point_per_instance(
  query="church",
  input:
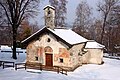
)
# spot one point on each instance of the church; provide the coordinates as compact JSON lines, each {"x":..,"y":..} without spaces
{"x":61,"y":47}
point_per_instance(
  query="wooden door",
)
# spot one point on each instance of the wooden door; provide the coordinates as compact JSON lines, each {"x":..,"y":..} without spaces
{"x":49,"y":60}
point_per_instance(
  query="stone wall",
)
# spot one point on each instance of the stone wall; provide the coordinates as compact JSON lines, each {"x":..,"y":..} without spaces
{"x":62,"y":55}
{"x":36,"y":49}
{"x":49,"y":17}
{"x":93,"y":56}
{"x":76,"y":55}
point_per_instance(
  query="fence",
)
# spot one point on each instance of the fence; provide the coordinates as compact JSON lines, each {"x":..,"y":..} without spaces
{"x":18,"y":66}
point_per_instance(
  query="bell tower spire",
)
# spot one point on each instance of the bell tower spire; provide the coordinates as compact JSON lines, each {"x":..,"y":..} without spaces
{"x":49,"y":15}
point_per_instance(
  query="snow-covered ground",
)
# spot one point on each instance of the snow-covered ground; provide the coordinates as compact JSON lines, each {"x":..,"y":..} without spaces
{"x":110,"y":70}
{"x":7,"y":56}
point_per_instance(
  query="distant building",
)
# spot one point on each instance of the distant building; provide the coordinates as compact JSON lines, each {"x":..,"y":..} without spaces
{"x":62,"y":47}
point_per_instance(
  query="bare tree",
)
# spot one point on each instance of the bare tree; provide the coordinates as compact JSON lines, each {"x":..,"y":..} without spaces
{"x":83,"y":16}
{"x":60,"y":11}
{"x":5,"y":35}
{"x":97,"y":29}
{"x":114,"y":17}
{"x":110,"y":19}
{"x":105,"y":7}
{"x":34,"y":27}
{"x":114,"y":29}
{"x":24,"y":31}
{"x":115,"y":39}
{"x":5,"y":32}
{"x":2,"y":16}
{"x":16,"y":11}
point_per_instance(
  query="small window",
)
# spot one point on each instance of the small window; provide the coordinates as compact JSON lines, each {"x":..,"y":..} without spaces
{"x":49,"y":12}
{"x":48,"y":40}
{"x":79,"y":54}
{"x":61,"y":60}
{"x":71,"y":54}
{"x":36,"y":58}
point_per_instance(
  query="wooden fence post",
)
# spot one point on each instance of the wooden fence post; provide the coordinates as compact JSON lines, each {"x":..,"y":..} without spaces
{"x":15,"y":67}
{"x":58,"y":70}
{"x":13,"y":64}
{"x":3,"y":65}
{"x":25,"y":65}
{"x":40,"y":66}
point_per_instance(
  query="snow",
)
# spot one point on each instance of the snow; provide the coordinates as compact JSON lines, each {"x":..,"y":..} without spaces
{"x":5,"y":48}
{"x":69,"y":36}
{"x":66,"y":34}
{"x":33,"y":71}
{"x":110,"y":70}
{"x":93,"y":44}
{"x":48,"y":6}
{"x":7,"y":56}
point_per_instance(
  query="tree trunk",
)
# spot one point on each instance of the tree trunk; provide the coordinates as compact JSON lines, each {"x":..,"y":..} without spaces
{"x":102,"y":34}
{"x":103,"y":28}
{"x":14,"y":42}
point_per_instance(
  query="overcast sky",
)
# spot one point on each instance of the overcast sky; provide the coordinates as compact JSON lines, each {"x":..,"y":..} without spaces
{"x":71,"y":9}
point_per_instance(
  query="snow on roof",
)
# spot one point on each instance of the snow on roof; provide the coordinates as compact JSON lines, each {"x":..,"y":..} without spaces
{"x":49,"y":6}
{"x":93,"y":44}
{"x":69,"y":36}
{"x":32,"y":35}
{"x":66,"y":34}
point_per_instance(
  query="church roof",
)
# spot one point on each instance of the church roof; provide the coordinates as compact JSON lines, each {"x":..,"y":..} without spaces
{"x":48,"y":6}
{"x":67,"y":35}
{"x":93,"y":44}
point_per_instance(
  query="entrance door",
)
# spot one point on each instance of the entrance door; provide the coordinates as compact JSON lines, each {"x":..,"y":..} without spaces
{"x":49,"y":60}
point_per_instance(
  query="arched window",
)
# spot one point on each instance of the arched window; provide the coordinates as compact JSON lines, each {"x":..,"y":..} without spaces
{"x":48,"y":49}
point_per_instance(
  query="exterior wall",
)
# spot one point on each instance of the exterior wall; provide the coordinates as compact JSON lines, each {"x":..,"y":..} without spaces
{"x":36,"y":49}
{"x":93,"y":56}
{"x":76,"y":55}
{"x":85,"y":58}
{"x":31,"y":50}
{"x":70,"y":57}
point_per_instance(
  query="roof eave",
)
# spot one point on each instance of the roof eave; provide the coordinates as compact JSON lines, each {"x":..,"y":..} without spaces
{"x":29,"y":38}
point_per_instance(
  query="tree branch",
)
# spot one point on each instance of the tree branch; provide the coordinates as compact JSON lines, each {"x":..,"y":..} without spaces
{"x":6,"y":13}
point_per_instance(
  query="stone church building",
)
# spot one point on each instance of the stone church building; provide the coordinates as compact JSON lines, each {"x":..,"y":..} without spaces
{"x":62,"y":47}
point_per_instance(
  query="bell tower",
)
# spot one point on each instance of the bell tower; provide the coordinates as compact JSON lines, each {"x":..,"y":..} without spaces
{"x":49,"y":15}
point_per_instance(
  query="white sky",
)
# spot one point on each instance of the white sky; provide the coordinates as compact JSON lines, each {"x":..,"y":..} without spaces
{"x":71,"y":9}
